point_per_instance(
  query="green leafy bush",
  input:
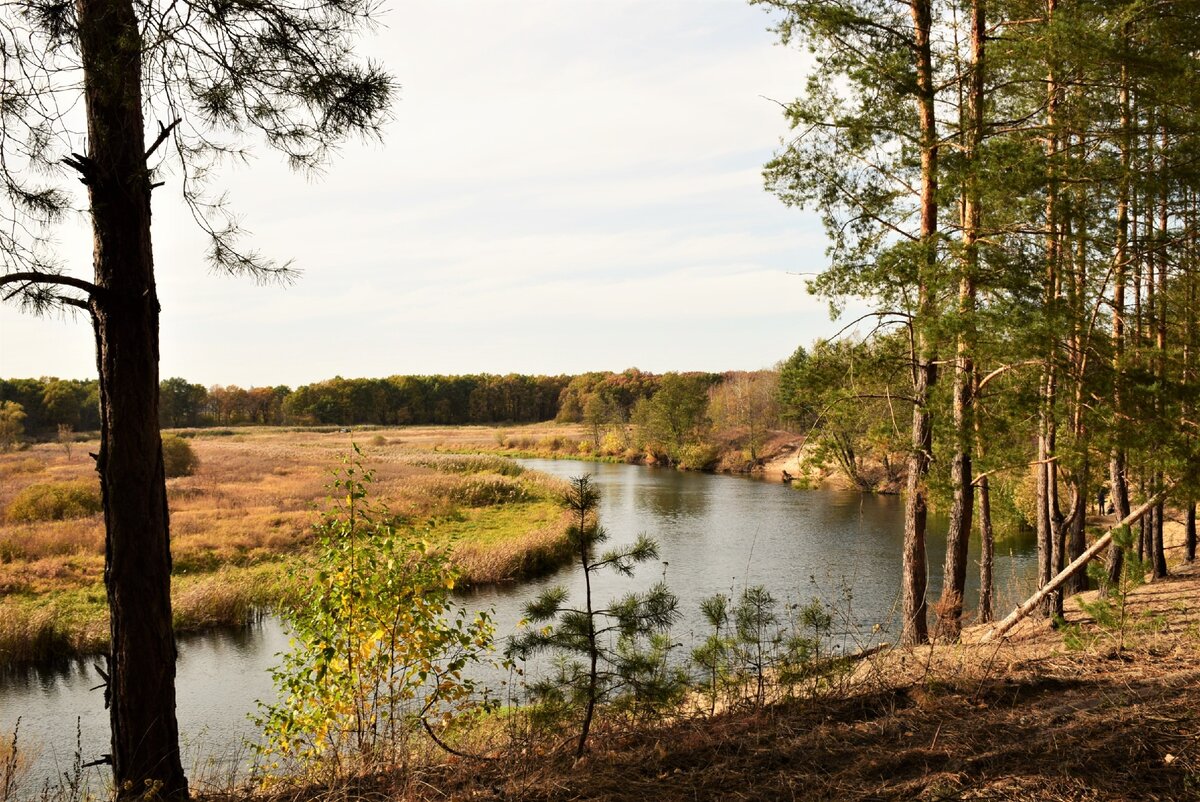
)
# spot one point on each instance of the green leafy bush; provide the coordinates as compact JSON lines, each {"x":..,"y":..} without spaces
{"x":378,"y":646}
{"x":55,"y":501}
{"x":179,"y":459}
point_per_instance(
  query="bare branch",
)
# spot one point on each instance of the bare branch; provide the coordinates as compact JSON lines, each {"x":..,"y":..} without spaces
{"x":164,"y":131}
{"x":33,"y":277}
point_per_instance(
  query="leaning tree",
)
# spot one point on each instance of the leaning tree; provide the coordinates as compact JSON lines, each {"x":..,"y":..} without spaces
{"x":78,"y":81}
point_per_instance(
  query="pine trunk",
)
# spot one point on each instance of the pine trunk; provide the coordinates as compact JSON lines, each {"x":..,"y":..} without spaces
{"x":137,"y":574}
{"x":987,"y":548}
{"x":954,"y":582}
{"x":1049,"y":555}
{"x":915,"y":569}
{"x":1117,"y":462}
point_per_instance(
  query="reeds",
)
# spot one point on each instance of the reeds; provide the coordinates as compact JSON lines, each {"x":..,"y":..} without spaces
{"x":244,"y":516}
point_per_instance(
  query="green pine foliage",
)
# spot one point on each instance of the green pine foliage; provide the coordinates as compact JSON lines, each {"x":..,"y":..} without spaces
{"x":753,"y":647}
{"x":1113,"y":622}
{"x":615,"y":653}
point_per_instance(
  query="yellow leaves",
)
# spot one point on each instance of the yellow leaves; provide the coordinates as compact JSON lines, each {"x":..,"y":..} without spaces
{"x":377,"y":640}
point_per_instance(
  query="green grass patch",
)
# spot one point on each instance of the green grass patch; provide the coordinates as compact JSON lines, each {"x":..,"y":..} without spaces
{"x":495,"y":525}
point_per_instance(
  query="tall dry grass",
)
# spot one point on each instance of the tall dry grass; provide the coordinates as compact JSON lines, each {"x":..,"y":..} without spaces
{"x":246,"y":512}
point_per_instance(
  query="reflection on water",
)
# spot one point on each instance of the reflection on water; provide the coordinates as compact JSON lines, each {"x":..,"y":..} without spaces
{"x":715,"y":533}
{"x":669,"y":497}
{"x":220,"y":677}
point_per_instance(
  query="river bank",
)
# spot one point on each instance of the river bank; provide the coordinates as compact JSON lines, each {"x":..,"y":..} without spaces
{"x":779,"y":456}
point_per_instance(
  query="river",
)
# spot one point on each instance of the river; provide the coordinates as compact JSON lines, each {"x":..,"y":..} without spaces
{"x":715,"y":534}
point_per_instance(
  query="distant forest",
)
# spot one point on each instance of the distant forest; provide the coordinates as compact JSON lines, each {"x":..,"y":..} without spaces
{"x":396,"y":400}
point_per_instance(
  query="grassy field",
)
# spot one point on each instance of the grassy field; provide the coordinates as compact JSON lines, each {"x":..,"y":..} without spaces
{"x":247,"y":513}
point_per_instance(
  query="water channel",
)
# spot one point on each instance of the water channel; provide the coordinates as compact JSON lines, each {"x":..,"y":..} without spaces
{"x":715,"y":534}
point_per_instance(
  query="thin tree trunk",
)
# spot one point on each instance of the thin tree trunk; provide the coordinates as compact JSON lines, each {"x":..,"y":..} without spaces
{"x":1049,"y":554}
{"x":1160,"y":344}
{"x":987,"y":550}
{"x":137,"y":572}
{"x":593,"y":649}
{"x":954,"y":582}
{"x":915,"y":570}
{"x":1190,"y":533}
{"x":1144,"y":525}
{"x":1079,"y":479}
{"x":987,"y":541}
{"x":1159,"y":551}
{"x":1117,"y":460}
{"x":1189,"y":369}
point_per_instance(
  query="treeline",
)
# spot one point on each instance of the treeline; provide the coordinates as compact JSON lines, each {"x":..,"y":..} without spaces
{"x":45,"y":404}
{"x":396,"y":400}
{"x":671,"y":412}
{"x":1016,"y":185}
{"x":686,"y":419}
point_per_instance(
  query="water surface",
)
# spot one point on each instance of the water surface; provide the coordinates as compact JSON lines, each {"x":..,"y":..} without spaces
{"x":715,"y":534}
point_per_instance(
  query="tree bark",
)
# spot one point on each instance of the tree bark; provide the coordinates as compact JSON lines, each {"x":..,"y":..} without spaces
{"x":1190,"y":533}
{"x":954,"y":581}
{"x":1160,"y":344}
{"x":137,"y":574}
{"x":1049,"y":555}
{"x":1117,"y":462}
{"x":915,"y":569}
{"x":987,"y":547}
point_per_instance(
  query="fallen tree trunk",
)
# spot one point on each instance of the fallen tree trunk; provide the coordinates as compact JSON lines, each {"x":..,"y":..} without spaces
{"x":1077,"y":565}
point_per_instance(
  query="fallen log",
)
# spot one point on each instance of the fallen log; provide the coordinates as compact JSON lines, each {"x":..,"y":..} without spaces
{"x":1030,"y":604}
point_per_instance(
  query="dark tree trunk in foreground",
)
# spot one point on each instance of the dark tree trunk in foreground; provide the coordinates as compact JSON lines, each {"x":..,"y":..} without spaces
{"x":137,"y":573}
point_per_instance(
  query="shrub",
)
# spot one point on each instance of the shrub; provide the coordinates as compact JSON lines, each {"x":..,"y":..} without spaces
{"x":179,"y":459}
{"x":698,"y":456}
{"x":55,"y":501}
{"x":378,"y":646}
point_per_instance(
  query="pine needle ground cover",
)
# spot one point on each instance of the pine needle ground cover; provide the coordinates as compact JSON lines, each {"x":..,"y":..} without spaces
{"x":1025,"y":720}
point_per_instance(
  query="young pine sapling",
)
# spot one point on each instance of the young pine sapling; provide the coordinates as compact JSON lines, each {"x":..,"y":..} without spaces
{"x":600,"y":646}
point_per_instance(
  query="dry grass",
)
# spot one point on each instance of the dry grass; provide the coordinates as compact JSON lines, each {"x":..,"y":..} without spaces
{"x":246,"y":512}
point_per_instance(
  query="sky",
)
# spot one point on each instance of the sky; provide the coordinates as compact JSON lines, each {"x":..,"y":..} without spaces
{"x":565,"y":186}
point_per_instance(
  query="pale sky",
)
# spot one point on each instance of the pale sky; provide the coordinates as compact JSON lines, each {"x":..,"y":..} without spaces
{"x":566,"y":185}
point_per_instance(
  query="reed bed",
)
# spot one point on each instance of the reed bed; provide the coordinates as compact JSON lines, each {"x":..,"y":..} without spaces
{"x":245,"y":515}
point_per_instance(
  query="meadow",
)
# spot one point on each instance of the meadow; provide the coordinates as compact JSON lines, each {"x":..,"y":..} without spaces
{"x":245,"y":516}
